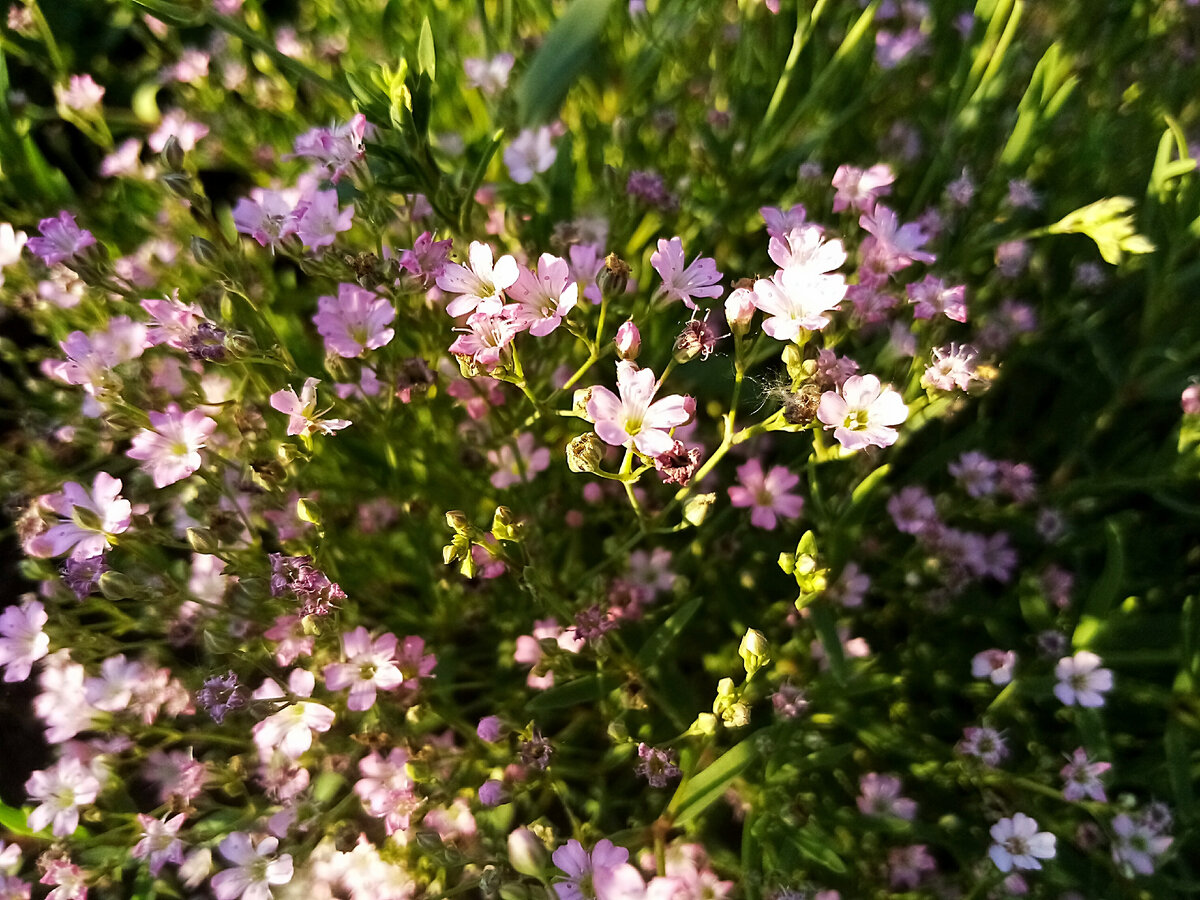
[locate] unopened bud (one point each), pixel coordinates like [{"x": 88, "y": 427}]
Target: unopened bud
[
  {"x": 614, "y": 277},
  {"x": 705, "y": 724},
  {"x": 308, "y": 511},
  {"x": 754, "y": 650},
  {"x": 457, "y": 519},
  {"x": 179, "y": 184},
  {"x": 527, "y": 853},
  {"x": 116, "y": 586},
  {"x": 584, "y": 452},
  {"x": 172, "y": 154},
  {"x": 205, "y": 252},
  {"x": 739, "y": 310},
  {"x": 696, "y": 508},
  {"x": 628, "y": 341},
  {"x": 617, "y": 732},
  {"x": 202, "y": 540},
  {"x": 239, "y": 346}
]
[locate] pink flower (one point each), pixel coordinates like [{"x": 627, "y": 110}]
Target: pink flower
[
  {"x": 1138, "y": 844},
  {"x": 930, "y": 297},
  {"x": 335, "y": 150},
  {"x": 767, "y": 494},
  {"x": 1081, "y": 681},
  {"x": 267, "y": 216},
  {"x": 90, "y": 358},
  {"x": 605, "y": 874},
  {"x": 880, "y": 796},
  {"x": 953, "y": 367},
  {"x": 319, "y": 218},
  {"x": 22, "y": 641},
  {"x": 860, "y": 188},
  {"x": 487, "y": 335},
  {"x": 908, "y": 866},
  {"x": 632, "y": 420},
  {"x": 544, "y": 297},
  {"x": 301, "y": 411},
  {"x": 529, "y": 649},
  {"x": 700, "y": 279},
  {"x": 529, "y": 154},
  {"x": 995, "y": 665},
  {"x": 489, "y": 75},
  {"x": 427, "y": 258},
  {"x": 794, "y": 300},
  {"x": 369, "y": 665},
  {"x": 81, "y": 93},
  {"x": 170, "y": 448},
  {"x": 862, "y": 413},
  {"x": 61, "y": 239},
  {"x": 628, "y": 341},
  {"x": 779, "y": 223},
  {"x": 386, "y": 790},
  {"x": 912, "y": 510},
  {"x": 355, "y": 321},
  {"x": 61, "y": 790},
  {"x": 513, "y": 467},
  {"x": 805, "y": 248},
  {"x": 255, "y": 868},
  {"x": 892, "y": 246},
  {"x": 90, "y": 520},
  {"x": 177, "y": 125},
  {"x": 291, "y": 729},
  {"x": 482, "y": 285},
  {"x": 160, "y": 841},
  {"x": 1082, "y": 777},
  {"x": 1019, "y": 845},
  {"x": 70, "y": 878}
]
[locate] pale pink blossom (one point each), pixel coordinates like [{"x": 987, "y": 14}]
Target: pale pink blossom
[
  {"x": 794, "y": 300},
  {"x": 480, "y": 287},
  {"x": 530, "y": 153},
  {"x": 91, "y": 358},
  {"x": 1082, "y": 778},
  {"x": 892, "y": 246},
  {"x": 90, "y": 521},
  {"x": 267, "y": 216},
  {"x": 681, "y": 281},
  {"x": 767, "y": 493},
  {"x": 604, "y": 874},
  {"x": 489, "y": 75},
  {"x": 858, "y": 189},
  {"x": 334, "y": 150},
  {"x": 160, "y": 841},
  {"x": 370, "y": 665},
  {"x": 386, "y": 790},
  {"x": 779, "y": 222},
  {"x": 545, "y": 296},
  {"x": 953, "y": 367},
  {"x": 22, "y": 640},
  {"x": 70, "y": 879},
  {"x": 514, "y": 467},
  {"x": 255, "y": 868},
  {"x": 879, "y": 795},
  {"x": 170, "y": 449},
  {"x": 60, "y": 791},
  {"x": 301, "y": 411},
  {"x": 1081, "y": 681},
  {"x": 931, "y": 297},
  {"x": 635, "y": 419},
  {"x": 355, "y": 321},
  {"x": 81, "y": 94},
  {"x": 291, "y": 729},
  {"x": 994, "y": 665},
  {"x": 176, "y": 124},
  {"x": 1019, "y": 845},
  {"x": 862, "y": 413},
  {"x": 319, "y": 219},
  {"x": 487, "y": 336}
]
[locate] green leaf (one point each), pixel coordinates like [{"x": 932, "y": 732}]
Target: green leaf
[
  {"x": 15, "y": 820},
  {"x": 426, "y": 58},
  {"x": 587, "y": 689},
  {"x": 825, "y": 625},
  {"x": 666, "y": 633},
  {"x": 1105, "y": 591},
  {"x": 567, "y": 49},
  {"x": 698, "y": 793},
  {"x": 1179, "y": 769},
  {"x": 813, "y": 844}
]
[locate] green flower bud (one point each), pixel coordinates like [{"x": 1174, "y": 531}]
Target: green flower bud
[
  {"x": 527, "y": 854},
  {"x": 754, "y": 650}
]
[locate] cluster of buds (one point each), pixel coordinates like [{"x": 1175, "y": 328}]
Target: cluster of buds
[{"x": 805, "y": 565}]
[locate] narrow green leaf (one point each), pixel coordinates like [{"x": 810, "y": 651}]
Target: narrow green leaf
[
  {"x": 1104, "y": 592},
  {"x": 825, "y": 625},
  {"x": 698, "y": 793},
  {"x": 477, "y": 176},
  {"x": 1179, "y": 770},
  {"x": 587, "y": 689},
  {"x": 666, "y": 633},
  {"x": 560, "y": 60},
  {"x": 813, "y": 844}
]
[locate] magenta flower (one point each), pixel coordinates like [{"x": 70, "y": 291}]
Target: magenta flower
[
  {"x": 170, "y": 449},
  {"x": 859, "y": 188},
  {"x": 930, "y": 298},
  {"x": 633, "y": 420},
  {"x": 267, "y": 216},
  {"x": 1082, "y": 777},
  {"x": 892, "y": 246},
  {"x": 61, "y": 239},
  {"x": 767, "y": 494},
  {"x": 487, "y": 335},
  {"x": 480, "y": 287},
  {"x": 255, "y": 868},
  {"x": 301, "y": 411},
  {"x": 605, "y": 874},
  {"x": 335, "y": 150},
  {"x": 862, "y": 413},
  {"x": 355, "y": 321},
  {"x": 1081, "y": 681},
  {"x": 544, "y": 297},
  {"x": 160, "y": 841},
  {"x": 90, "y": 520},
  {"x": 370, "y": 665},
  {"x": 320, "y": 218},
  {"x": 1019, "y": 845},
  {"x": 22, "y": 641},
  {"x": 700, "y": 279},
  {"x": 61, "y": 790}
]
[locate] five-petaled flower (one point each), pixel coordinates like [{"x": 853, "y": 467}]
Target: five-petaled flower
[
  {"x": 862, "y": 413},
  {"x": 301, "y": 411},
  {"x": 1019, "y": 845},
  {"x": 635, "y": 419}
]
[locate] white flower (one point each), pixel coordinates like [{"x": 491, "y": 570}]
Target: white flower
[
  {"x": 1081, "y": 681},
  {"x": 11, "y": 243},
  {"x": 256, "y": 869},
  {"x": 1137, "y": 844},
  {"x": 1019, "y": 845}
]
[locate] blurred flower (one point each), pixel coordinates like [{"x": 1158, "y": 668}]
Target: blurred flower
[
  {"x": 489, "y": 75},
  {"x": 681, "y": 281},
  {"x": 858, "y": 189},
  {"x": 1082, "y": 777},
  {"x": 61, "y": 239},
  {"x": 995, "y": 665},
  {"x": 530, "y": 153},
  {"x": 1081, "y": 681},
  {"x": 22, "y": 640},
  {"x": 90, "y": 519},
  {"x": 81, "y": 94},
  {"x": 255, "y": 868},
  {"x": 767, "y": 493},
  {"x": 301, "y": 411},
  {"x": 60, "y": 791},
  {"x": 1138, "y": 844}
]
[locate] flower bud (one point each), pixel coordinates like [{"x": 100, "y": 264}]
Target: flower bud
[
  {"x": 457, "y": 519},
  {"x": 239, "y": 346},
  {"x": 614, "y": 277},
  {"x": 584, "y": 452},
  {"x": 179, "y": 184},
  {"x": 202, "y": 540},
  {"x": 628, "y": 341},
  {"x": 116, "y": 586},
  {"x": 1190, "y": 400},
  {"x": 205, "y": 252},
  {"x": 705, "y": 724},
  {"x": 526, "y": 852},
  {"x": 172, "y": 154},
  {"x": 696, "y": 508},
  {"x": 739, "y": 310},
  {"x": 754, "y": 650}
]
